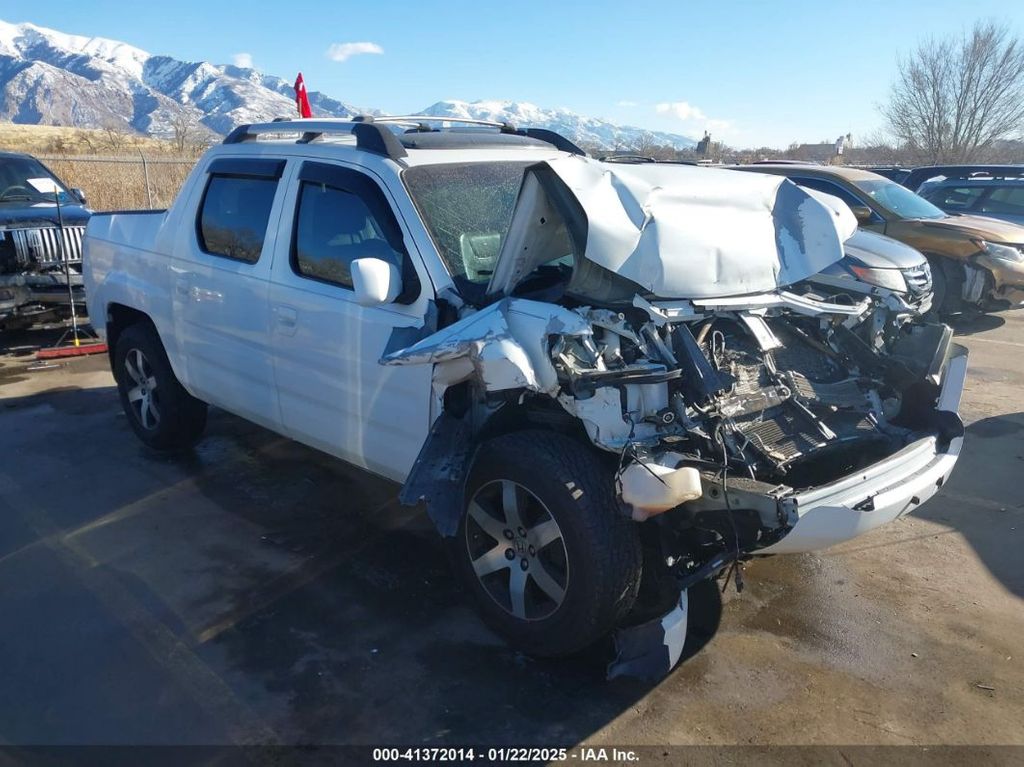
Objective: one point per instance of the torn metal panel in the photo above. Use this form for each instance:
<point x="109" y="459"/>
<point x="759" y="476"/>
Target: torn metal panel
<point x="759" y="329"/>
<point x="602" y="416"/>
<point x="504" y="346"/>
<point x="652" y="649"/>
<point x="674" y="231"/>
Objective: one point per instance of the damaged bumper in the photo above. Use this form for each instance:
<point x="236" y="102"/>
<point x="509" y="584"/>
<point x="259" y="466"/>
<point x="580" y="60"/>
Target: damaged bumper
<point x="652" y="649"/>
<point x="884" y="491"/>
<point x="1007" y="279"/>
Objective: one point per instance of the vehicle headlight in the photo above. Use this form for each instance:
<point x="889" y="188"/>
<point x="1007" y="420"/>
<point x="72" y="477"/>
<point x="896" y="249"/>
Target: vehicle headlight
<point x="1011" y="253"/>
<point x="890" y="279"/>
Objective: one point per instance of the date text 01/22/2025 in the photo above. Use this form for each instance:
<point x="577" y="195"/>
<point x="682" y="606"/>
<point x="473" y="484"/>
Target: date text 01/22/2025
<point x="504" y="754"/>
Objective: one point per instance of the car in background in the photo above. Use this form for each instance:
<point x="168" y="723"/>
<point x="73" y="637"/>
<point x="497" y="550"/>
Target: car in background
<point x="882" y="267"/>
<point x="895" y="173"/>
<point x="976" y="262"/>
<point x="40" y="242"/>
<point x="996" y="195"/>
<point x="918" y="176"/>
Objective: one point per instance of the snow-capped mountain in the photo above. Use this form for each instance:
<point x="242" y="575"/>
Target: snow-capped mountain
<point x="58" y="79"/>
<point x="49" y="77"/>
<point x="582" y="130"/>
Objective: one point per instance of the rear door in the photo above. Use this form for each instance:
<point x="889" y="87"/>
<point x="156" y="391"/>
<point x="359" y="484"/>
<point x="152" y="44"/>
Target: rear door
<point x="334" y="394"/>
<point x="221" y="286"/>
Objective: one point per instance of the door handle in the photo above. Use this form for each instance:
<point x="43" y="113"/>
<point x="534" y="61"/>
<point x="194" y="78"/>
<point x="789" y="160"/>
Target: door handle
<point x="287" y="319"/>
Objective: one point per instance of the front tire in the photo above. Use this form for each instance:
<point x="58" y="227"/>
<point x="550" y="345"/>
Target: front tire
<point x="161" y="413"/>
<point x="549" y="558"/>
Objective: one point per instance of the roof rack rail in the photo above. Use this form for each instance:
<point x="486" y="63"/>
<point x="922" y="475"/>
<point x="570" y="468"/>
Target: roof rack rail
<point x="369" y="137"/>
<point x="372" y="135"/>
<point x="919" y="175"/>
<point x="418" y="124"/>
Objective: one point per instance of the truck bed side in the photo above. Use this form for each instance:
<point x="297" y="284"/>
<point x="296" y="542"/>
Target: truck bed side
<point x="123" y="266"/>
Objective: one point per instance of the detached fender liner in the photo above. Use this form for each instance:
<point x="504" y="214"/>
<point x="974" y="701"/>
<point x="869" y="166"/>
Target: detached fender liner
<point x="438" y="476"/>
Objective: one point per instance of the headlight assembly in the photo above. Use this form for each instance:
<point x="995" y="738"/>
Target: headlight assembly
<point x="1010" y="253"/>
<point x="890" y="279"/>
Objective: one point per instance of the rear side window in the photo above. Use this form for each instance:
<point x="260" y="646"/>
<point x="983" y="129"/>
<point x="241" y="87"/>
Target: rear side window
<point x="955" y="197"/>
<point x="234" y="215"/>
<point x="333" y="228"/>
<point x="1005" y="200"/>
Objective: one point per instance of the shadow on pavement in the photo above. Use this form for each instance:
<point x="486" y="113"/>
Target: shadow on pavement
<point x="296" y="581"/>
<point x="984" y="499"/>
<point x="969" y="324"/>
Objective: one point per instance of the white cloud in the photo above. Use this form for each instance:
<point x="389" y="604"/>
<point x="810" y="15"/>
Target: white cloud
<point x="681" y="109"/>
<point x="694" y="117"/>
<point x="625" y="104"/>
<point x="343" y="51"/>
<point x="243" y="60"/>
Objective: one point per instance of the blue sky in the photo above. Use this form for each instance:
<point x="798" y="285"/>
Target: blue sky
<point x="755" y="73"/>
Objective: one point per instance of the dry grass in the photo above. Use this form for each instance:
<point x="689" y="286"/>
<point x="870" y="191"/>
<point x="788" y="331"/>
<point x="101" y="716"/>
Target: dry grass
<point x="52" y="139"/>
<point x="105" y="164"/>
<point x="119" y="183"/>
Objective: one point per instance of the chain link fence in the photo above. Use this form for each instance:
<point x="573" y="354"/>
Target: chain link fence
<point x="128" y="182"/>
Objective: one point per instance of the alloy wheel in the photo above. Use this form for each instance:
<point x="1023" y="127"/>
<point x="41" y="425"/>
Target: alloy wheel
<point x="143" y="396"/>
<point x="516" y="549"/>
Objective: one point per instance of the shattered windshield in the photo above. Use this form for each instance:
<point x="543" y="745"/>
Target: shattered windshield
<point x="899" y="199"/>
<point x="15" y="181"/>
<point x="467" y="208"/>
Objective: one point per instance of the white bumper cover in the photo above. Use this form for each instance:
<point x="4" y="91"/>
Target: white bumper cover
<point x="883" y="491"/>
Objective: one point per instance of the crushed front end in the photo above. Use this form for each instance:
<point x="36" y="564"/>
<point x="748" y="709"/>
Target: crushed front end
<point x="742" y="419"/>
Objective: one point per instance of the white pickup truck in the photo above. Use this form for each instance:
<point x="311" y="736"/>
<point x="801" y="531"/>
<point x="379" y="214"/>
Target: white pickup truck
<point x="605" y="381"/>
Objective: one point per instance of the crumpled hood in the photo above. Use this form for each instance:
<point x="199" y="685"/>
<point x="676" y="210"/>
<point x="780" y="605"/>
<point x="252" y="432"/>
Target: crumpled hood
<point x="675" y="231"/>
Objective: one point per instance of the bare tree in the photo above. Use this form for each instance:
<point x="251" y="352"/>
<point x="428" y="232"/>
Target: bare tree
<point x="644" y="144"/>
<point x="116" y="135"/>
<point x="954" y="97"/>
<point x="186" y="130"/>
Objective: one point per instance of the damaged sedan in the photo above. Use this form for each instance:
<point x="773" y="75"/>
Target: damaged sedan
<point x="628" y="387"/>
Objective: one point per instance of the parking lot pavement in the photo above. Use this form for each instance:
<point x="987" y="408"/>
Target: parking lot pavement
<point x="257" y="591"/>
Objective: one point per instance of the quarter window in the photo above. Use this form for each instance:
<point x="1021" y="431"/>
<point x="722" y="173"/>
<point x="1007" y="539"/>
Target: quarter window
<point x="333" y="228"/>
<point x="234" y="216"/>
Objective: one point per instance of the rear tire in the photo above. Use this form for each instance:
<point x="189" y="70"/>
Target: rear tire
<point x="161" y="413"/>
<point x="559" y="564"/>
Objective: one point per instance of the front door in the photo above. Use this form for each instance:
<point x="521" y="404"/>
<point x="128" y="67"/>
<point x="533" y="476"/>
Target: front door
<point x="334" y="394"/>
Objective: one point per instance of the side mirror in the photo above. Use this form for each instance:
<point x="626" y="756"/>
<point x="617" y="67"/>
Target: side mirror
<point x="862" y="213"/>
<point x="79" y="194"/>
<point x="375" y="281"/>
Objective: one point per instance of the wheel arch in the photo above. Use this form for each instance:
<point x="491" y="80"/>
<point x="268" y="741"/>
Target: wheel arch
<point x="438" y="476"/>
<point x="120" y="317"/>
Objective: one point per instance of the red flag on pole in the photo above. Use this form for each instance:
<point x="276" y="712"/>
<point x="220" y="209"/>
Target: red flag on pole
<point x="301" y="99"/>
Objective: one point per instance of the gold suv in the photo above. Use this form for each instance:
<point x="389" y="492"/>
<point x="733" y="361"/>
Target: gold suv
<point x="975" y="261"/>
